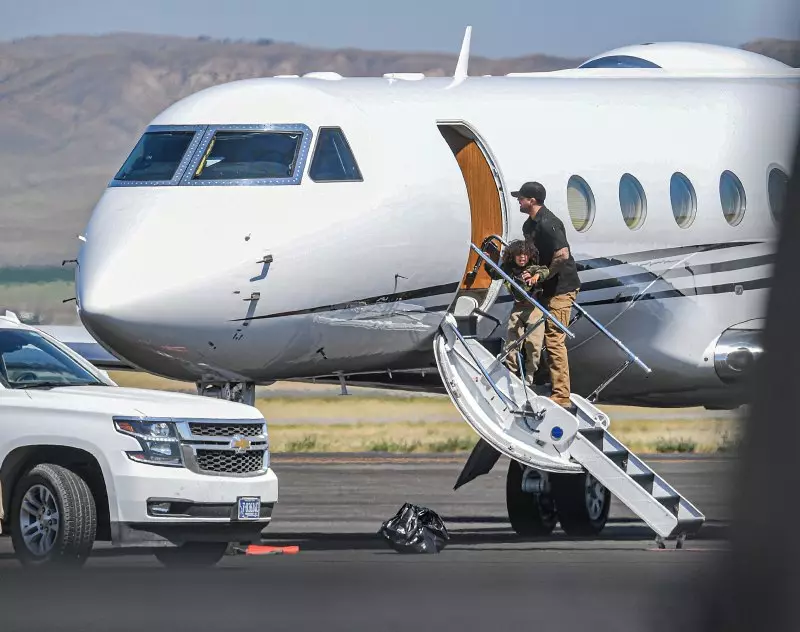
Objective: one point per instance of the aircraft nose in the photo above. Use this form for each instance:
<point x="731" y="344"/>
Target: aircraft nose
<point x="133" y="293"/>
<point x="116" y="306"/>
<point x="138" y="317"/>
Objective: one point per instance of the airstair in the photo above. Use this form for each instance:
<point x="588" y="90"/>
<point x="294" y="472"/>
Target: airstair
<point x="568" y="451"/>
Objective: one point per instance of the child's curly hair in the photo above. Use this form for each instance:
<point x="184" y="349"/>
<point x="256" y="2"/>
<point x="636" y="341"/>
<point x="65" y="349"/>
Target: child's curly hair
<point x="519" y="247"/>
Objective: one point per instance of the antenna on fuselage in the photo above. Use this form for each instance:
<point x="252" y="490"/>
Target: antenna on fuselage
<point x="463" y="59"/>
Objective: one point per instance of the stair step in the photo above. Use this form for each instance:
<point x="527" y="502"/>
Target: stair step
<point x="619" y="457"/>
<point x="645" y="479"/>
<point x="594" y="435"/>
<point x="670" y="502"/>
<point x="690" y="525"/>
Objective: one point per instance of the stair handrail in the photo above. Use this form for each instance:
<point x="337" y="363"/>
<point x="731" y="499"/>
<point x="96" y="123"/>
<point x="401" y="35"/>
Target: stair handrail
<point x="517" y="287"/>
<point x="630" y="354"/>
<point x="509" y="402"/>
<point x="495" y="237"/>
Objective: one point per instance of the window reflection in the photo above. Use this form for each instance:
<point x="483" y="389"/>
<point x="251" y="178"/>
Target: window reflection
<point x="683" y="199"/>
<point x="249" y="155"/>
<point x="156" y="157"/>
<point x="732" y="198"/>
<point x="333" y="160"/>
<point x="632" y="201"/>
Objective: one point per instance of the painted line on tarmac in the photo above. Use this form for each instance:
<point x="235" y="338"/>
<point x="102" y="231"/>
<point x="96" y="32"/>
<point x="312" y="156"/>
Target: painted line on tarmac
<point x="357" y="458"/>
<point x="374" y="460"/>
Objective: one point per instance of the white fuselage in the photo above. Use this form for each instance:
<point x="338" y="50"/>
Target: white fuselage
<point x="171" y="277"/>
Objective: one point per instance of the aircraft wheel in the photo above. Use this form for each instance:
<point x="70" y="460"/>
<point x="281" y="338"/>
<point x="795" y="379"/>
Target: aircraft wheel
<point x="529" y="514"/>
<point x="582" y="503"/>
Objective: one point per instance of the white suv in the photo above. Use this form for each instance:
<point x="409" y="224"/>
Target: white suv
<point x="83" y="460"/>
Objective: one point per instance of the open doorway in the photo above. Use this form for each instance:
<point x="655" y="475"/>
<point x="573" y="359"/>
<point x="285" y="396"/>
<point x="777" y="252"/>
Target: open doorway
<point x="483" y="189"/>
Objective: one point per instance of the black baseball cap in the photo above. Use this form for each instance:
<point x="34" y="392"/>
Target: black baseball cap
<point x="531" y="190"/>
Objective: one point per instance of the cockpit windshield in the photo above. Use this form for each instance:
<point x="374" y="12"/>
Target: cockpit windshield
<point x="217" y="155"/>
<point x="29" y="360"/>
<point x="250" y="155"/>
<point x="156" y="157"/>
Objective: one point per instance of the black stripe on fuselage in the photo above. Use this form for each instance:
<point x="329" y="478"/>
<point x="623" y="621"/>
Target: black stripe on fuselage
<point x="410" y="295"/>
<point x="723" y="288"/>
<point x="587" y="264"/>
<point x="646" y="255"/>
<point x="686" y="271"/>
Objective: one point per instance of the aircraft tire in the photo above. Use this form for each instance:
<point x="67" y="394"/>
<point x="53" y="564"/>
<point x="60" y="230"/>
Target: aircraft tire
<point x="529" y="514"/>
<point x="582" y="503"/>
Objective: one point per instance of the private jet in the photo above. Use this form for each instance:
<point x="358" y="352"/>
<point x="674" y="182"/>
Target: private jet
<point x="326" y="228"/>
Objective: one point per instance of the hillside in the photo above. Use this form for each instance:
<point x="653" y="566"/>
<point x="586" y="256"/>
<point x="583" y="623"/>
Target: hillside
<point x="72" y="107"/>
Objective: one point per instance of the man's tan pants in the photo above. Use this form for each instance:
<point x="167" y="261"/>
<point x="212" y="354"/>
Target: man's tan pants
<point x="560" y="306"/>
<point x="523" y="316"/>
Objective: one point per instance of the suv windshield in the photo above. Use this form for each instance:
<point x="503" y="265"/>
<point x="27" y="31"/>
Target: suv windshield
<point x="29" y="360"/>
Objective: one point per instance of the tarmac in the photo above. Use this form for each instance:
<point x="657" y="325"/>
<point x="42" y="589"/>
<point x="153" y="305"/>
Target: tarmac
<point x="345" y="577"/>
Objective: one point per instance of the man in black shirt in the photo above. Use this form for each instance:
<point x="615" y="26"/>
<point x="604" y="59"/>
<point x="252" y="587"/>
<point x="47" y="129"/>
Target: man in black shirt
<point x="560" y="289"/>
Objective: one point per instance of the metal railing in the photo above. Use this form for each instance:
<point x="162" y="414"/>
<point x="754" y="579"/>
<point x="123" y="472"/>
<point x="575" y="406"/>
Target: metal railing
<point x="519" y="289"/>
<point x="632" y="358"/>
<point x="510" y="403"/>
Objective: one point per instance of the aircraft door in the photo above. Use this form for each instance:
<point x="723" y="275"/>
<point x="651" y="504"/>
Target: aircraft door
<point x="484" y="189"/>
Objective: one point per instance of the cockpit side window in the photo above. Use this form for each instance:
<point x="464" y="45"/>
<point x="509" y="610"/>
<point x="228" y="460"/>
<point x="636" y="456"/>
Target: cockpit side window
<point x="160" y="157"/>
<point x="333" y="159"/>
<point x="249" y="155"/>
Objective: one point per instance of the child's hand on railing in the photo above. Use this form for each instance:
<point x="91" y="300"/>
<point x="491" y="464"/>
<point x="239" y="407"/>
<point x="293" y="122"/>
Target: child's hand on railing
<point x="530" y="280"/>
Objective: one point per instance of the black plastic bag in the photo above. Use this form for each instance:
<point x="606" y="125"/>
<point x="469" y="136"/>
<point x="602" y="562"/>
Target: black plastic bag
<point x="415" y="529"/>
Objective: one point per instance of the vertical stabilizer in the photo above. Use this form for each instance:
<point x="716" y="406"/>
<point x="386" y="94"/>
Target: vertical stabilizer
<point x="463" y="59"/>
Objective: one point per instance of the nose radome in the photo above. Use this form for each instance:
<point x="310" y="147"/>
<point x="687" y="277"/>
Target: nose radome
<point x="112" y="308"/>
<point x="133" y="318"/>
<point x="114" y="287"/>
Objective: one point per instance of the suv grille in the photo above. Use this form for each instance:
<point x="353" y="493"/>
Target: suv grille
<point x="228" y="462"/>
<point x="225" y="430"/>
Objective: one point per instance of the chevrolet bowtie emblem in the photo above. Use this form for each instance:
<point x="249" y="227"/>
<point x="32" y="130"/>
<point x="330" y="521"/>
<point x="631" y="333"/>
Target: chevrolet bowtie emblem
<point x="240" y="444"/>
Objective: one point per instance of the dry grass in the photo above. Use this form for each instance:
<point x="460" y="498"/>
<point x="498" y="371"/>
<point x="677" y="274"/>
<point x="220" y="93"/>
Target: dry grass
<point x="357" y="410"/>
<point x="136" y="379"/>
<point x="667" y="435"/>
<point x="705" y="436"/>
<point x="397" y="437"/>
<point x="309" y="418"/>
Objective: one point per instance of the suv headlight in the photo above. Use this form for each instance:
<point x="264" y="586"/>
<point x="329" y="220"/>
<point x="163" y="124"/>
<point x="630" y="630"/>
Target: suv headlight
<point x="159" y="441"/>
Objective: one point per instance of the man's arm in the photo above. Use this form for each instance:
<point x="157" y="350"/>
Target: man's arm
<point x="560" y="248"/>
<point x="559" y="259"/>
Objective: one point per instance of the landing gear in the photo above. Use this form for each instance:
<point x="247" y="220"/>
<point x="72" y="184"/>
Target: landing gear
<point x="530" y="514"/>
<point x="242" y="392"/>
<point x="537" y="501"/>
<point x="582" y="503"/>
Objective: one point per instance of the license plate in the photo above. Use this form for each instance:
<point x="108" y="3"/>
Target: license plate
<point x="249" y="508"/>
